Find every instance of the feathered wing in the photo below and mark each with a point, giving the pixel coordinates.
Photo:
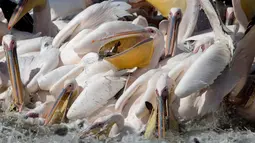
(233, 78)
(204, 70)
(131, 89)
(91, 18)
(45, 82)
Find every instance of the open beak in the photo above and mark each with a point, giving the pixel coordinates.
(138, 55)
(60, 108)
(14, 73)
(22, 8)
(172, 35)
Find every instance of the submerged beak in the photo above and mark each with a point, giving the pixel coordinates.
(97, 130)
(151, 124)
(22, 8)
(59, 110)
(14, 73)
(172, 35)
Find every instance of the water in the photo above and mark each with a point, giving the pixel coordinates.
(221, 127)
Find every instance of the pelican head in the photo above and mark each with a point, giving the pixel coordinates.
(175, 17)
(22, 8)
(9, 44)
(64, 101)
(103, 126)
(162, 93)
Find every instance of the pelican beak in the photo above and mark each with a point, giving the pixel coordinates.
(162, 100)
(127, 34)
(172, 33)
(60, 108)
(151, 124)
(22, 8)
(138, 55)
(97, 129)
(14, 73)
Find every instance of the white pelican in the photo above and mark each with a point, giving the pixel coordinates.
(87, 41)
(234, 77)
(217, 56)
(59, 110)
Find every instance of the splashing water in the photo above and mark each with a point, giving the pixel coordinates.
(218, 127)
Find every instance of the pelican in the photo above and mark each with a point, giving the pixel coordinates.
(186, 22)
(91, 18)
(133, 42)
(60, 108)
(233, 78)
(41, 16)
(219, 55)
(166, 118)
(34, 65)
(9, 44)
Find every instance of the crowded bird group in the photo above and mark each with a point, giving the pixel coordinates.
(127, 66)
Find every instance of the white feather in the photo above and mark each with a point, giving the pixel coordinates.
(204, 70)
(90, 18)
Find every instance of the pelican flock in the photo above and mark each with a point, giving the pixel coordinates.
(126, 67)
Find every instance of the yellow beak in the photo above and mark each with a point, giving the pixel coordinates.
(22, 8)
(14, 73)
(128, 56)
(60, 108)
(151, 124)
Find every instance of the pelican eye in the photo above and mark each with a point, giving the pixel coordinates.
(151, 30)
(46, 44)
